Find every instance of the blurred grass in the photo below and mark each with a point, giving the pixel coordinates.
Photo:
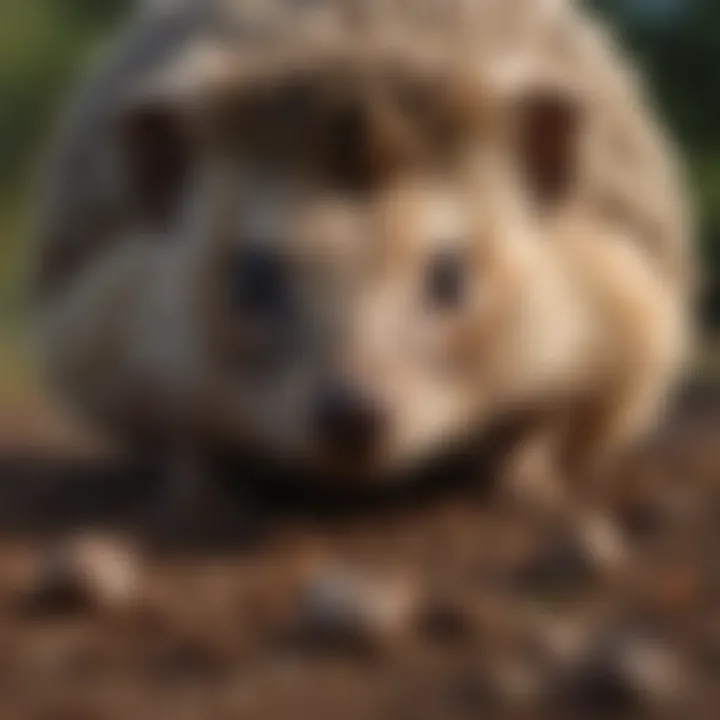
(44, 46)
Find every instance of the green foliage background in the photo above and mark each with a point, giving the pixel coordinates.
(45, 44)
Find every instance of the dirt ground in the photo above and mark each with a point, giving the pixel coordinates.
(451, 601)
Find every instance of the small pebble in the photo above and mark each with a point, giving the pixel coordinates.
(352, 609)
(603, 543)
(85, 573)
(593, 550)
(624, 675)
(562, 641)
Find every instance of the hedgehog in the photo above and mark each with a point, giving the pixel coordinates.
(348, 237)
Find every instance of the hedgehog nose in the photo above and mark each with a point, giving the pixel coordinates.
(349, 423)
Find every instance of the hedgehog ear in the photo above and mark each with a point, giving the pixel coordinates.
(547, 125)
(158, 149)
(165, 123)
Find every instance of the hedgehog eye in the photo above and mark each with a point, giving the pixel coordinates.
(260, 283)
(446, 282)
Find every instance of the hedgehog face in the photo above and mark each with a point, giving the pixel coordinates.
(358, 334)
(361, 265)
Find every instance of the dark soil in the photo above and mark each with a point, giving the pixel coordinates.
(497, 609)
